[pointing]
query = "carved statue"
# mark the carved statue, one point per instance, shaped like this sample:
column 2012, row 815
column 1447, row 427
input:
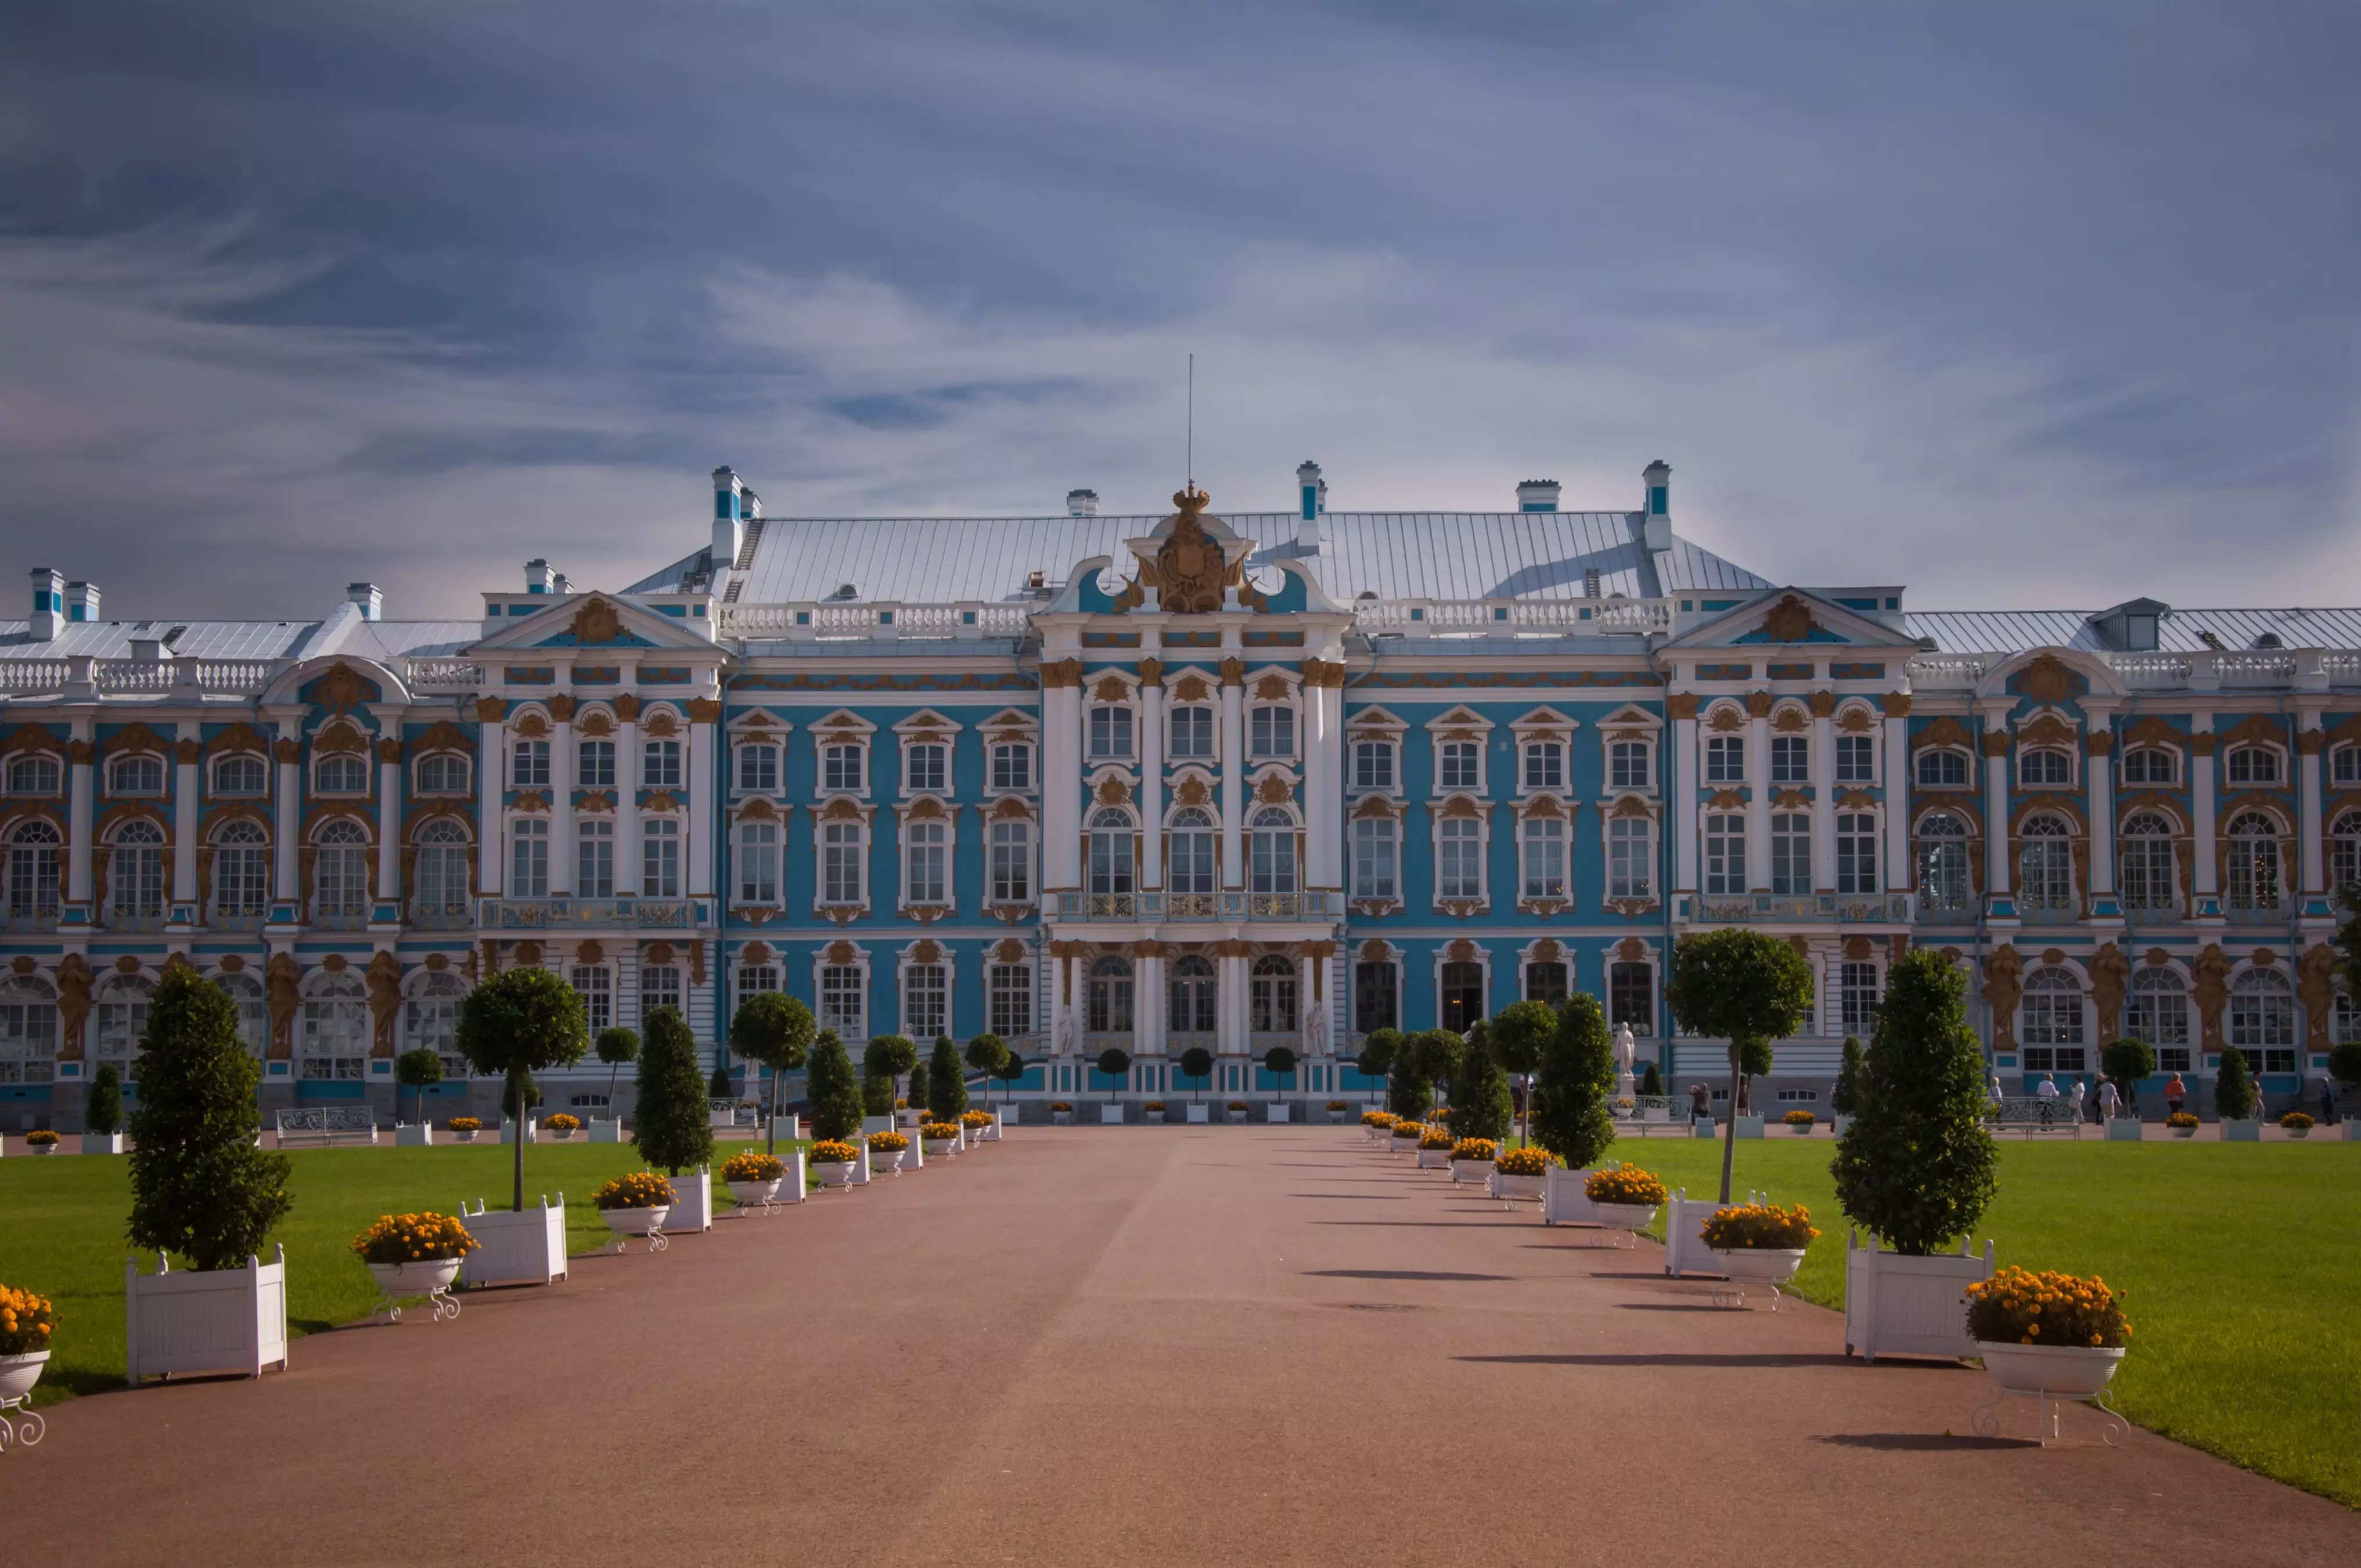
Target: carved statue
column 2003, row 983
column 1190, row 570
column 385, row 1000
column 2315, row 986
column 2109, row 969
column 2212, row 971
column 73, row 1002
column 282, row 985
column 1626, row 1049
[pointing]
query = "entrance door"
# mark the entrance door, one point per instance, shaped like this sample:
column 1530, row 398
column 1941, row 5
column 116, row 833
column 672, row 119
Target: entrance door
column 1463, row 996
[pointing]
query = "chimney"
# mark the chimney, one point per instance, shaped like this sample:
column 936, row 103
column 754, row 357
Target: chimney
column 538, row 577
column 81, row 601
column 730, row 498
column 1310, row 492
column 48, row 603
column 1658, row 534
column 369, row 597
column 559, row 585
column 1537, row 495
column 1082, row 503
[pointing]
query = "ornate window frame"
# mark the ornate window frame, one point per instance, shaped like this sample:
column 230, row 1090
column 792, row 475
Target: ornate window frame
column 1386, row 809
column 934, row 811
column 838, row 813
column 927, row 728
column 1529, row 812
column 1460, row 806
column 1374, row 727
column 1011, row 727
column 924, row 953
column 1628, row 807
column 747, row 735
column 1544, row 726
column 1461, row 725
column 1631, row 726
column 842, row 955
column 843, row 727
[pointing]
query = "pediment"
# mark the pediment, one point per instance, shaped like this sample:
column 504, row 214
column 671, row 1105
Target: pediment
column 1789, row 617
column 592, row 621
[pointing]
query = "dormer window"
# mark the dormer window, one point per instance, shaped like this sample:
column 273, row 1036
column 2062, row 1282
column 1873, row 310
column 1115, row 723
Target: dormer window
column 340, row 772
column 2254, row 766
column 2044, row 765
column 2150, row 765
column 135, row 775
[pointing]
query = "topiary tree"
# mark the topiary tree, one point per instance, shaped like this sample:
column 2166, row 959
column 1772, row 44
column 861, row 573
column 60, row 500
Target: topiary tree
column 1519, row 1034
column 102, row 1108
column 416, row 1069
column 946, row 1084
column 1571, row 1084
column 985, row 1053
column 1378, row 1049
column 834, row 1093
column 515, row 1024
column 1847, row 1085
column 1480, row 1103
column 1652, row 1081
column 2234, row 1087
column 1749, row 989
column 2126, row 1061
column 518, row 1095
column 1915, row 1164
column 1197, row 1063
column 1432, row 1057
column 717, row 1086
column 2345, row 1062
column 1279, row 1062
column 617, row 1047
column 774, row 1029
column 891, row 1056
column 675, row 1127
column 1008, row 1072
column 1113, row 1061
column 199, row 1187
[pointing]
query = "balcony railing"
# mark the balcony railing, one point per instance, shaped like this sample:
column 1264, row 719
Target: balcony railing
column 84, row 676
column 1234, row 906
column 1766, row 908
column 563, row 913
column 1514, row 618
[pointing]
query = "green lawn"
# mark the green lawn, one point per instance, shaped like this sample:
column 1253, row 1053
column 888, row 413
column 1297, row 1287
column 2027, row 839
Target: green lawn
column 62, row 1230
column 2241, row 1261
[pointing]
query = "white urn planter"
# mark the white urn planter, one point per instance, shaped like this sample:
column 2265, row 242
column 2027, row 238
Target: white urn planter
column 1338, row 1115
column 41, row 1148
column 214, row 1320
column 1475, row 1170
column 1744, row 1265
column 1909, row 1306
column 103, row 1142
column 753, row 1197
column 605, row 1130
column 430, row 1278
column 692, row 1202
column 883, row 1161
column 938, row 1148
column 561, row 1135
column 2184, row 1132
column 513, row 1248
column 19, row 1373
column 629, row 1222
column 834, row 1172
column 407, row 1137
column 1633, row 1217
column 1153, row 1118
column 2070, row 1371
column 1061, row 1118
column 464, row 1135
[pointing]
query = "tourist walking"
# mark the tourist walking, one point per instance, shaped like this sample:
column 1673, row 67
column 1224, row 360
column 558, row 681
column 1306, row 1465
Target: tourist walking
column 2176, row 1094
column 2327, row 1105
column 2047, row 1092
column 2108, row 1101
column 2074, row 1100
column 1698, row 1108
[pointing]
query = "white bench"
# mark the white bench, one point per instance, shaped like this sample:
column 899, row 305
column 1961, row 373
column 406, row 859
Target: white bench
column 2030, row 1113
column 326, row 1124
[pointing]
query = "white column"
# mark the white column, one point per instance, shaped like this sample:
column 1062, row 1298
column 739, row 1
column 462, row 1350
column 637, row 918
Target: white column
column 704, row 785
column 1996, row 866
column 563, row 745
column 184, row 814
column 285, row 867
column 1758, row 803
column 2103, row 800
column 627, row 803
column 80, row 800
column 1824, row 792
column 1061, row 780
column 1234, row 775
column 491, row 769
column 2208, row 887
column 1323, row 793
column 1151, row 773
column 388, row 816
column 2307, row 785
column 1232, row 1013
column 1148, row 1006
column 1682, row 814
column 1897, row 790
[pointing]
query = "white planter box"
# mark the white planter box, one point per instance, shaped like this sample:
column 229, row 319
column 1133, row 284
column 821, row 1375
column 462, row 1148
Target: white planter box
column 1196, row 1117
column 605, row 1130
column 692, row 1202
column 1749, row 1127
column 2241, row 1131
column 1509, row 1188
column 1478, row 1170
column 1111, row 1115
column 221, row 1319
column 1839, row 1122
column 877, row 1124
column 1278, row 1112
column 1703, row 1127
column 1434, row 1159
column 1909, row 1306
column 513, row 1248
column 409, row 1137
column 531, row 1132
column 2124, row 1130
column 786, row 1128
column 103, row 1142
column 791, row 1191
column 2349, row 1129
column 905, row 1120
column 1564, row 1202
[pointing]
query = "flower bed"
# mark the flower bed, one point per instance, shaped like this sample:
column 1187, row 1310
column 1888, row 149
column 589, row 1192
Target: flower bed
column 832, row 1151
column 2296, row 1122
column 413, row 1238
column 1626, row 1185
column 2017, row 1306
column 1759, row 1225
column 1526, row 1162
column 1475, row 1149
column 26, row 1322
column 754, row 1165
column 562, row 1122
column 640, row 1190
column 466, row 1125
column 1379, row 1118
column 888, row 1143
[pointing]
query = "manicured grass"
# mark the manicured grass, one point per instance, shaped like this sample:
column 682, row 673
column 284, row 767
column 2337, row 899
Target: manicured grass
column 62, row 1230
column 2239, row 1260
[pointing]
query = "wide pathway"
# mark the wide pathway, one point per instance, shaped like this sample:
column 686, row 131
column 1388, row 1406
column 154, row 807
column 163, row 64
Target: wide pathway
column 1142, row 1345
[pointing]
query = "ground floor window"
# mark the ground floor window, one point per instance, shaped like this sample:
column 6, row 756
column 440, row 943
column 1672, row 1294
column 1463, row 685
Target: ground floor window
column 1546, row 982
column 1375, row 987
column 1012, row 1000
column 1631, row 996
column 1463, row 996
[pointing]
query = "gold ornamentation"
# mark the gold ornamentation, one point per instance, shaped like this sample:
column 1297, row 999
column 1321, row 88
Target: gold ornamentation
column 1151, row 672
column 1273, row 790
column 1270, row 688
column 2316, row 988
column 282, row 986
column 1789, row 720
column 1682, row 705
column 1190, row 569
column 704, row 710
column 284, row 750
column 1234, row 672
column 1113, row 792
column 1191, row 791
column 2102, row 741
column 596, row 621
column 2003, row 983
column 2046, row 679
column 189, row 753
column 1789, row 620
column 2110, row 974
column 388, row 751
column 2211, row 971
column 1063, row 673
column 1896, row 705
column 2203, row 744
column 384, row 979
column 491, row 710
column 341, row 688
column 1857, row 949
column 1758, row 704
column 1823, row 703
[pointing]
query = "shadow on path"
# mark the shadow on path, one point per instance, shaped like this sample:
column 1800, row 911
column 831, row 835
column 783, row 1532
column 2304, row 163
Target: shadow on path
column 1921, row 1442
column 1397, row 1273
column 1664, row 1358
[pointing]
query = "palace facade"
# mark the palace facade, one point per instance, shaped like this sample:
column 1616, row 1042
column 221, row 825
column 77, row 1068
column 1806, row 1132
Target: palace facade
column 1223, row 780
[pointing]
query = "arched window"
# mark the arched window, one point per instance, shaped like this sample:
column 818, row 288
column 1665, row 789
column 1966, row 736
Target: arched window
column 33, row 776
column 1376, row 858
column 2044, row 765
column 1112, row 860
column 2147, row 875
column 845, row 1000
column 28, row 1030
column 1631, row 856
column 2044, row 865
column 33, row 871
column 1189, row 996
column 2158, row 1013
column 135, row 876
column 340, row 772
column 2052, row 1030
column 1544, row 856
column 340, row 887
column 660, row 986
column 244, row 993
column 1459, row 870
column 1942, row 768
column 241, row 870
column 2254, row 766
column 2345, row 849
column 240, row 773
column 1189, row 843
column 430, row 1019
column 758, row 861
column 1271, row 996
column 1107, row 999
column 2344, row 766
column 135, row 775
column 443, row 773
column 1271, row 852
column 442, row 868
column 1942, row 863
column 2150, row 765
column 334, row 1041
column 120, row 1015
column 2254, row 862
column 2262, row 1020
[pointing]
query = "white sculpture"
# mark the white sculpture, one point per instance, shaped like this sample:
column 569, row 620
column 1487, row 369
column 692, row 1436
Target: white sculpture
column 1625, row 1049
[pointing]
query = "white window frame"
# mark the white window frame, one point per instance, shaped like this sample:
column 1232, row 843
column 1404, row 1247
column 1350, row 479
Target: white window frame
column 213, row 784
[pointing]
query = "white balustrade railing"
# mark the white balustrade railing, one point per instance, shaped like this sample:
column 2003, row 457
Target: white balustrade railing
column 2143, row 671
column 1583, row 616
column 32, row 675
column 812, row 621
column 132, row 675
column 429, row 674
column 1947, row 672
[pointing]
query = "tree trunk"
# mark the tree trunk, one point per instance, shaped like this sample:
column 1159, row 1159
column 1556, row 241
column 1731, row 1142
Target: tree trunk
column 516, row 1095
column 771, row 1118
column 1729, row 1132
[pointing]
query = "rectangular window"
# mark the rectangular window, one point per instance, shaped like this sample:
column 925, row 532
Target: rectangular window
column 926, row 769
column 530, row 765
column 758, row 768
column 925, row 1003
column 1791, row 759
column 660, row 858
column 843, row 1003
column 1856, row 852
column 1857, row 994
column 840, row 862
column 1374, row 997
column 1110, row 731
column 1272, row 733
column 1629, row 766
column 1462, row 765
column 1192, row 734
column 528, row 858
column 1791, row 853
column 594, row 860
column 594, row 765
column 839, row 768
column 1373, row 859
column 1012, row 1000
column 2345, row 765
column 1631, row 997
column 1373, row 764
column 923, row 855
column 1546, row 982
column 659, row 987
column 758, row 864
column 1011, row 862
column 1856, row 760
column 1011, row 767
column 660, row 765
column 596, row 986
column 1630, row 858
column 1460, row 873
column 1725, row 853
column 1725, row 759
column 1545, row 765
column 1544, row 859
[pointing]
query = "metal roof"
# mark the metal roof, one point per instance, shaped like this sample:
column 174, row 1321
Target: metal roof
column 2017, row 630
column 238, row 638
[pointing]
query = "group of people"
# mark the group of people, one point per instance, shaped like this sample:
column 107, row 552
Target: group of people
column 2109, row 1103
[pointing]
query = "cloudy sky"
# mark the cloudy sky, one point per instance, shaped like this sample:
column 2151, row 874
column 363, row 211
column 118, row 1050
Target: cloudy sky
column 2021, row 305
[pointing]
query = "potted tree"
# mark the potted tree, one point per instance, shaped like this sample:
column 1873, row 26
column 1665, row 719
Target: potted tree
column 101, row 1113
column 519, row 1098
column 2126, row 1062
column 1841, row 1095
column 1114, row 1062
column 986, row 1053
column 2235, row 1100
column 1519, row 1036
column 835, row 1096
column 1378, row 1049
column 414, row 1070
column 1197, row 1066
column 1279, row 1062
column 513, row 1025
column 1010, row 1074
column 672, row 1127
column 1915, row 1168
column 945, row 1084
column 1425, row 1064
column 618, row 1047
column 1749, row 989
column 887, row 1059
column 1481, row 1110
column 201, row 1191
column 1574, row 1076
column 776, row 1030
